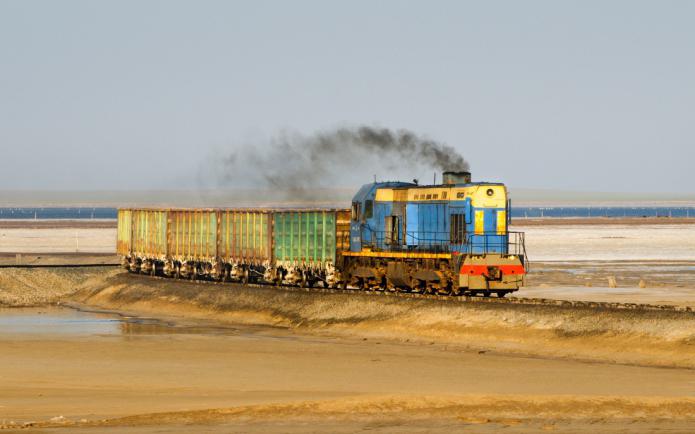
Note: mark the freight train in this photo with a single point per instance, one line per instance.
(450, 238)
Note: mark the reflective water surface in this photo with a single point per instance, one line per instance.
(67, 321)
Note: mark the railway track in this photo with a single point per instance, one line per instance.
(599, 305)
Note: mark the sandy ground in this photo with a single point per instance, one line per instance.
(609, 242)
(260, 379)
(57, 224)
(57, 240)
(39, 286)
(57, 259)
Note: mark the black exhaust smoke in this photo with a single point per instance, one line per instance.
(297, 162)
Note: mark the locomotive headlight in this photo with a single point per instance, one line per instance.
(490, 192)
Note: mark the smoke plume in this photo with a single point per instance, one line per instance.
(293, 161)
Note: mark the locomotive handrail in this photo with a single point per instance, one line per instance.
(412, 241)
(509, 243)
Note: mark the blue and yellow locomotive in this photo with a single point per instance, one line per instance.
(451, 238)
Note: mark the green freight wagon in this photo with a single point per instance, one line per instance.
(306, 245)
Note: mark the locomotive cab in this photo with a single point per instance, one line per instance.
(450, 237)
(365, 212)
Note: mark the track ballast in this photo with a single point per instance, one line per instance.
(599, 305)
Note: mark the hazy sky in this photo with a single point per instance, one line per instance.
(539, 94)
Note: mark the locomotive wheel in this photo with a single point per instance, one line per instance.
(444, 291)
(416, 286)
(501, 294)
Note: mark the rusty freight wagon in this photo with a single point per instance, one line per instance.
(246, 245)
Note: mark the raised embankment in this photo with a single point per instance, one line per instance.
(35, 286)
(644, 337)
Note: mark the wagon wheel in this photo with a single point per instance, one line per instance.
(177, 273)
(153, 271)
(392, 287)
(245, 277)
(415, 285)
(501, 294)
(367, 286)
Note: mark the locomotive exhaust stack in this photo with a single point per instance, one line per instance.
(455, 178)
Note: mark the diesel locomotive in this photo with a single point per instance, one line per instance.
(451, 238)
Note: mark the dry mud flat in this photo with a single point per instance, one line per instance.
(644, 337)
(292, 361)
(567, 240)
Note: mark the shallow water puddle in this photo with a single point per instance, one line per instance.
(66, 321)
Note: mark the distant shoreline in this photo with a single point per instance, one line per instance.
(516, 222)
(569, 221)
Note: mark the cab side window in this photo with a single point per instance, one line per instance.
(368, 209)
(355, 211)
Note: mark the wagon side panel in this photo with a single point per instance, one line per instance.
(124, 232)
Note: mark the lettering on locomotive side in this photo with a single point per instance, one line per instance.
(488, 196)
